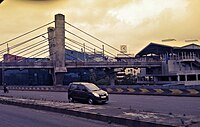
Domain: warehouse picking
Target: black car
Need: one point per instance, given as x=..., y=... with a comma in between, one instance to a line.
x=88, y=92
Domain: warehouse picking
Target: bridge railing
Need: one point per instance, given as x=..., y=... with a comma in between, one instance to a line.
x=44, y=64
x=118, y=63
x=184, y=57
x=68, y=64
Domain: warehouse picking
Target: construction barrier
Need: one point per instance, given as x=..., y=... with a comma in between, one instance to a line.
x=117, y=90
x=155, y=91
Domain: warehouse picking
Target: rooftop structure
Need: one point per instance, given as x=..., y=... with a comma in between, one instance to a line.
x=180, y=65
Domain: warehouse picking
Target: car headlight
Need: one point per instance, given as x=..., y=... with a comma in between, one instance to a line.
x=106, y=93
x=96, y=95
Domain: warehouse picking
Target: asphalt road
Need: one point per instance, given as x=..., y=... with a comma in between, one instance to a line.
x=161, y=104
x=13, y=116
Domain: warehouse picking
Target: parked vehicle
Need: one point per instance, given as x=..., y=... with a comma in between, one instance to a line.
x=87, y=92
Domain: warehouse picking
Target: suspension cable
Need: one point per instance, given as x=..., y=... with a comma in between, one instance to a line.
x=86, y=47
x=80, y=44
x=69, y=48
x=26, y=33
x=14, y=46
x=88, y=42
x=94, y=38
x=31, y=47
x=71, y=55
x=38, y=54
x=35, y=50
x=74, y=46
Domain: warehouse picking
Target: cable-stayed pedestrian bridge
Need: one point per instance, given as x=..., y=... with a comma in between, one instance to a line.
x=61, y=47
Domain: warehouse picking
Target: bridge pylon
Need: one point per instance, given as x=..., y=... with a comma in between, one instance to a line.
x=56, y=38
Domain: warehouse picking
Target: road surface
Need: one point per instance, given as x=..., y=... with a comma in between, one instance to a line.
x=161, y=104
x=13, y=116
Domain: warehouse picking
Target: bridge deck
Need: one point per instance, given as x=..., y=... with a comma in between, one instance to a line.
x=49, y=65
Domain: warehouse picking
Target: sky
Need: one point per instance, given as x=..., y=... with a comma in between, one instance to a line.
x=134, y=23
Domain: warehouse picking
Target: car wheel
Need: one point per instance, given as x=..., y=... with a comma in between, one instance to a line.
x=71, y=100
x=90, y=101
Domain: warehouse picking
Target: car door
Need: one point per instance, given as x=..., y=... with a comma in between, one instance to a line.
x=73, y=91
x=83, y=93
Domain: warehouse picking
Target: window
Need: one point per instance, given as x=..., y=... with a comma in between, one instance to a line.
x=182, y=77
x=73, y=87
x=191, y=77
x=81, y=87
x=92, y=87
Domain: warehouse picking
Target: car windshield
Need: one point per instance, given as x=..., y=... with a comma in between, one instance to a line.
x=92, y=87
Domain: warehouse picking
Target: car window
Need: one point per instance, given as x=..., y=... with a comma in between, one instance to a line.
x=81, y=87
x=92, y=87
x=73, y=87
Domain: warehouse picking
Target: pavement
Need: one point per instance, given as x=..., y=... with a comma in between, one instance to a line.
x=123, y=116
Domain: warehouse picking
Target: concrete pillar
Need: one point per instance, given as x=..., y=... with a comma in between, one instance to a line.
x=155, y=79
x=59, y=62
x=197, y=78
x=52, y=50
x=182, y=55
x=170, y=78
x=185, y=77
x=112, y=76
x=52, y=43
x=178, y=77
x=60, y=40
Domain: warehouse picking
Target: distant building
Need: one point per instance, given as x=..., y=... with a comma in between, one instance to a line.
x=180, y=65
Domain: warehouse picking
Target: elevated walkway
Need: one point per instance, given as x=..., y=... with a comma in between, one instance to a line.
x=49, y=65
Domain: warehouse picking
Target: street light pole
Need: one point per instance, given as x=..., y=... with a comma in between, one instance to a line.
x=2, y=72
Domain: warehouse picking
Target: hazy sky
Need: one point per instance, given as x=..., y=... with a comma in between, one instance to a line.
x=134, y=23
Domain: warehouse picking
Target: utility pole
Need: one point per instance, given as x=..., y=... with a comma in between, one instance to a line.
x=8, y=49
x=84, y=52
x=2, y=73
x=103, y=51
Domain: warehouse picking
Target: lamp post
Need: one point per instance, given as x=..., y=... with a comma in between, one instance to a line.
x=2, y=72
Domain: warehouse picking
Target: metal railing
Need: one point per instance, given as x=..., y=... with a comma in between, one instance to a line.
x=80, y=64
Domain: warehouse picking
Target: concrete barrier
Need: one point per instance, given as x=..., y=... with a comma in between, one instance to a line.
x=155, y=91
x=163, y=91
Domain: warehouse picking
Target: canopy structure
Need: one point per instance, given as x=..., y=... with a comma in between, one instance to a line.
x=159, y=49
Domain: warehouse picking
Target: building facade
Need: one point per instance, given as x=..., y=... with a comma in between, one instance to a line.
x=180, y=65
